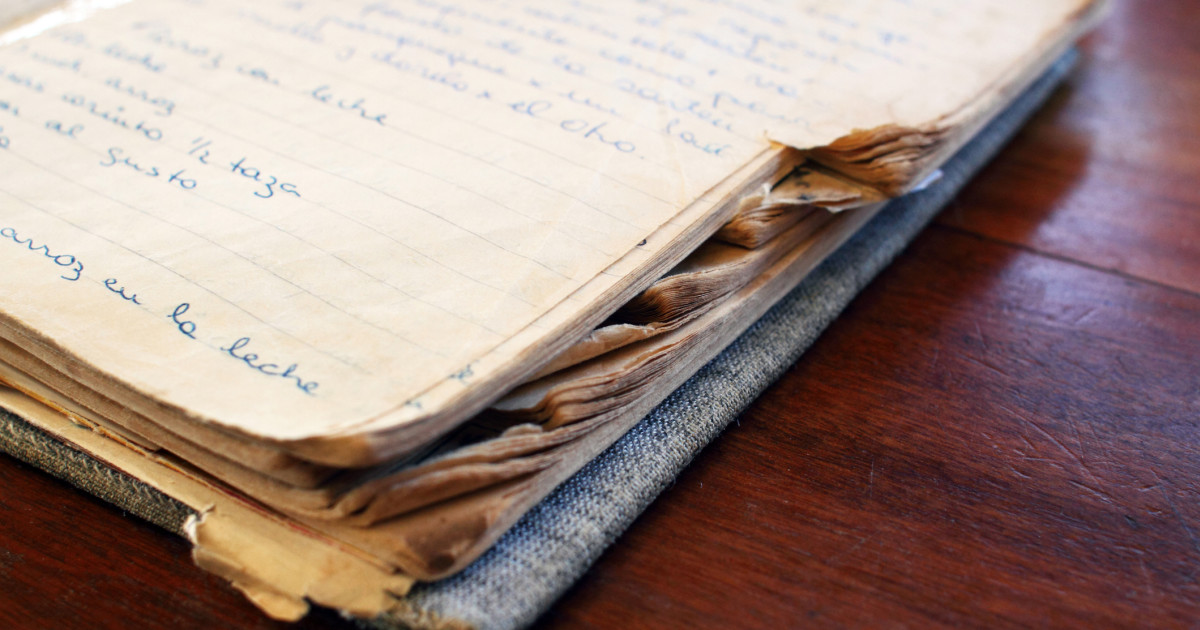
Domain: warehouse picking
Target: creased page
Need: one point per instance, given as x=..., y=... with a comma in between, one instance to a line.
x=298, y=218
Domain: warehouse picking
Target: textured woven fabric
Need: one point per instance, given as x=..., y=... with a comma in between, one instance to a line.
x=548, y=549
x=33, y=446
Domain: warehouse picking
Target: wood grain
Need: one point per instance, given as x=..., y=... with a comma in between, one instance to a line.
x=987, y=437
x=1107, y=176
x=1001, y=431
x=70, y=560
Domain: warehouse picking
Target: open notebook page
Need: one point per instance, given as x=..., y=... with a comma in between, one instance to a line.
x=300, y=218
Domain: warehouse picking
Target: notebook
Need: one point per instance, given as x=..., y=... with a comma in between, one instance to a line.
x=358, y=289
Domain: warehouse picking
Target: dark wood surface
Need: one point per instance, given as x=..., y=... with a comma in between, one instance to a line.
x=1003, y=430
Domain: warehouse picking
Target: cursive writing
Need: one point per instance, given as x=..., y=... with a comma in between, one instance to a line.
x=163, y=106
x=185, y=326
x=111, y=285
x=116, y=157
x=325, y=95
x=145, y=60
x=674, y=129
x=576, y=126
x=21, y=79
x=70, y=131
x=73, y=265
x=113, y=115
x=267, y=180
x=257, y=363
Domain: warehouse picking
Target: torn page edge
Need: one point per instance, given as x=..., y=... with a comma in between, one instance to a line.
x=895, y=159
x=281, y=574
x=279, y=566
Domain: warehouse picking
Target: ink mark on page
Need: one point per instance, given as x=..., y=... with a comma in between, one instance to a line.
x=73, y=267
x=111, y=285
x=261, y=365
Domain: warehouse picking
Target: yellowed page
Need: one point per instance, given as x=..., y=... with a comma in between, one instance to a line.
x=299, y=219
x=275, y=562
x=14, y=12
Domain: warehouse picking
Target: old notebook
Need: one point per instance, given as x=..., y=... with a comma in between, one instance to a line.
x=361, y=284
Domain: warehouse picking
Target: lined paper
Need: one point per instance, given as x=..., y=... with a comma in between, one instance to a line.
x=295, y=216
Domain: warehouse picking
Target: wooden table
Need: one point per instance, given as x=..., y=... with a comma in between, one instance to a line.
x=1002, y=430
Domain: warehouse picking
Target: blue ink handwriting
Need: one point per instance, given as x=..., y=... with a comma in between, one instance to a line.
x=114, y=158
x=451, y=80
x=668, y=47
x=721, y=98
x=161, y=34
x=594, y=131
x=22, y=80
x=565, y=64
x=531, y=108
x=185, y=326
x=773, y=87
x=579, y=126
x=73, y=264
x=464, y=375
x=113, y=116
x=198, y=145
x=132, y=297
x=163, y=106
x=60, y=128
x=252, y=360
x=506, y=45
x=145, y=60
x=71, y=38
x=270, y=180
x=575, y=96
x=259, y=74
x=691, y=107
x=73, y=65
x=406, y=41
x=325, y=95
x=625, y=60
x=673, y=129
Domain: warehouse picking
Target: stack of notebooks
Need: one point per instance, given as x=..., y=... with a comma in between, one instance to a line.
x=344, y=290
